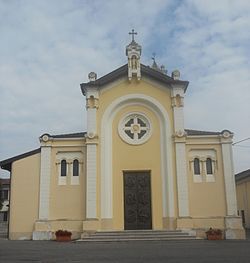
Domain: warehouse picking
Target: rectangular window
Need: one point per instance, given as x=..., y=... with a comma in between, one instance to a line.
x=197, y=166
x=63, y=168
x=75, y=168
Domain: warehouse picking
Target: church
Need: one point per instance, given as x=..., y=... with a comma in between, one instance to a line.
x=135, y=168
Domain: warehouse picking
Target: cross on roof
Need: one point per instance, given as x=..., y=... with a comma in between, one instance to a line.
x=153, y=56
x=133, y=33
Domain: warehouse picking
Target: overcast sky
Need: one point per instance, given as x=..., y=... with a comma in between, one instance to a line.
x=47, y=49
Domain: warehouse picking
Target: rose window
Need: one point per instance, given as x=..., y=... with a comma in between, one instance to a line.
x=135, y=128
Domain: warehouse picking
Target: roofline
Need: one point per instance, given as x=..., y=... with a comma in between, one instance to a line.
x=70, y=136
x=198, y=133
x=6, y=164
x=242, y=175
x=123, y=70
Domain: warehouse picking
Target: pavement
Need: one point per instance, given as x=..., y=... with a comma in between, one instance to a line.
x=230, y=251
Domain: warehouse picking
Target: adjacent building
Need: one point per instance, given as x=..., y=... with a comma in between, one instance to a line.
x=243, y=196
x=4, y=197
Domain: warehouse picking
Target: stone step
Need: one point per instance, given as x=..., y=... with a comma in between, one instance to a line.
x=140, y=231
x=134, y=239
x=129, y=235
x=99, y=235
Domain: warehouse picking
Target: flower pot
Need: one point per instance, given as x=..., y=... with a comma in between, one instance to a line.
x=63, y=238
x=214, y=236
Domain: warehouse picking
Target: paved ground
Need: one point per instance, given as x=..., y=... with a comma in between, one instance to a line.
x=137, y=251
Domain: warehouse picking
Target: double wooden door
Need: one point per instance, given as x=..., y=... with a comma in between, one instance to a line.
x=137, y=200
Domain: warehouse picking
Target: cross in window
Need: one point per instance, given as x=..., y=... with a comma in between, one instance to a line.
x=135, y=128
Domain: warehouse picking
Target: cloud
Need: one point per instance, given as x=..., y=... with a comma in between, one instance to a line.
x=48, y=47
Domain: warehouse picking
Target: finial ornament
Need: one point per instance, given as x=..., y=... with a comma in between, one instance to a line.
x=133, y=52
x=133, y=33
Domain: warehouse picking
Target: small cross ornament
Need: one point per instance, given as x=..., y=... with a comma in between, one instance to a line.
x=133, y=33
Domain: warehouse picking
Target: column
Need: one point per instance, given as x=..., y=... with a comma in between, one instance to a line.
x=45, y=172
x=229, y=177
x=182, y=183
x=91, y=142
x=91, y=181
x=180, y=148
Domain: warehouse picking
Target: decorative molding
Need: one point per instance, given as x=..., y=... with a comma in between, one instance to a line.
x=69, y=156
x=177, y=101
x=135, y=128
x=133, y=52
x=180, y=134
x=106, y=152
x=202, y=155
x=92, y=103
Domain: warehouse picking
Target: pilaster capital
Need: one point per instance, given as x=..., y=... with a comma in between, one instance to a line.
x=180, y=136
x=94, y=140
x=226, y=137
x=92, y=103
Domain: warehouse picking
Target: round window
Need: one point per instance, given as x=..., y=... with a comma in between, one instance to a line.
x=135, y=128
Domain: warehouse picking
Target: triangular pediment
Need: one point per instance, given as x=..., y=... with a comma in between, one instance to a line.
x=122, y=72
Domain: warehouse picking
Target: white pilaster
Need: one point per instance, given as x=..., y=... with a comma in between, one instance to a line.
x=182, y=182
x=178, y=119
x=229, y=178
x=177, y=94
x=91, y=181
x=92, y=105
x=45, y=171
x=180, y=148
x=91, y=121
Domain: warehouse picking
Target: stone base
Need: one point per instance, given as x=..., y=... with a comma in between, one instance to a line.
x=169, y=223
x=200, y=223
x=234, y=228
x=42, y=235
x=20, y=235
x=45, y=229
x=90, y=225
x=231, y=226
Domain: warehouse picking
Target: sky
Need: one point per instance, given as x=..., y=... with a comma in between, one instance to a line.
x=48, y=47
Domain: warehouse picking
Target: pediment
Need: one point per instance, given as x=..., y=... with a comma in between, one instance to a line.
x=146, y=72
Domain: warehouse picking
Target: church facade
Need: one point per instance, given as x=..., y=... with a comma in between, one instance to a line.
x=136, y=167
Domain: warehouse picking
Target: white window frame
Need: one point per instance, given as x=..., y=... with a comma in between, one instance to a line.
x=136, y=140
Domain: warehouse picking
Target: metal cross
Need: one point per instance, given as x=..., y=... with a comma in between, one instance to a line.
x=153, y=56
x=133, y=33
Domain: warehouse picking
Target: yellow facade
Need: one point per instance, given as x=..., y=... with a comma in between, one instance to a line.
x=135, y=124
x=24, y=197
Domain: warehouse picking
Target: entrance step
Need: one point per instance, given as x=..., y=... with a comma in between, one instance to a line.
x=143, y=235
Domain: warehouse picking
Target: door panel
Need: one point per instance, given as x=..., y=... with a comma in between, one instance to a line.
x=137, y=200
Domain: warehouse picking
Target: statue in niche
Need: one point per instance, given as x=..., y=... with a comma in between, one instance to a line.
x=134, y=62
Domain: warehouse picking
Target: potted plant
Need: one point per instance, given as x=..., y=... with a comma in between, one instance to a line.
x=63, y=235
x=214, y=234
